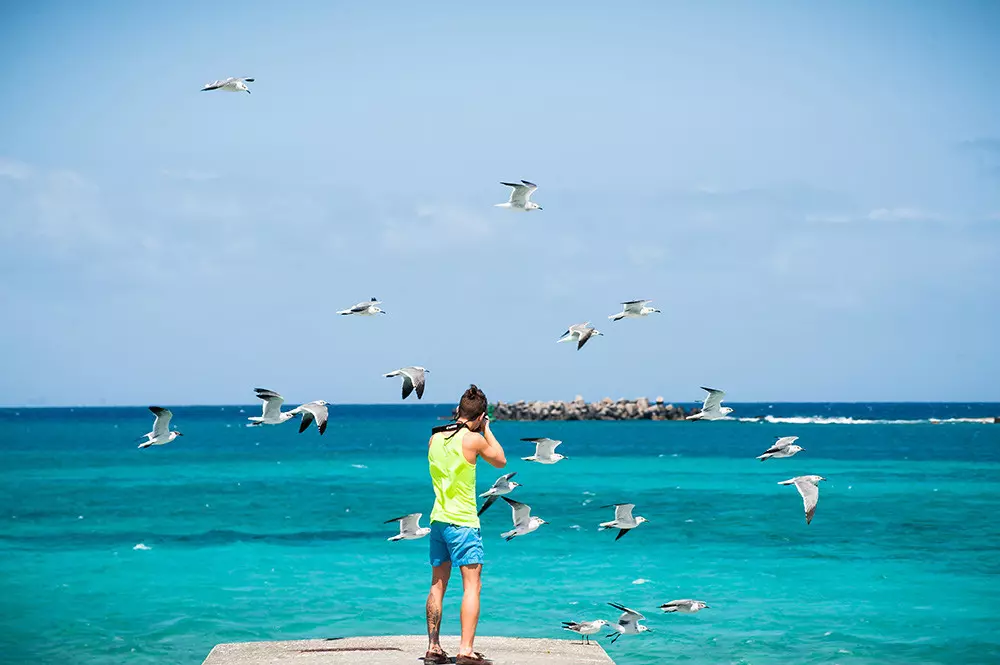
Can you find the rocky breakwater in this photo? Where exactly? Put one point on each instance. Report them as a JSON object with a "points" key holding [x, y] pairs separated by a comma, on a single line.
{"points": [[578, 409]]}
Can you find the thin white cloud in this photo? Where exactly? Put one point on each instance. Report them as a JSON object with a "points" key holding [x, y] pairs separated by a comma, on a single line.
{"points": [[434, 227], [904, 214], [10, 168]]}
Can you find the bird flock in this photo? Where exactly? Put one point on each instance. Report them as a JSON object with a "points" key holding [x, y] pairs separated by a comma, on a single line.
{"points": [[524, 523]]}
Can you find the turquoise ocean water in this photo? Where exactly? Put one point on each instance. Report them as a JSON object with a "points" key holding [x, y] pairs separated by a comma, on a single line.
{"points": [[263, 534]]}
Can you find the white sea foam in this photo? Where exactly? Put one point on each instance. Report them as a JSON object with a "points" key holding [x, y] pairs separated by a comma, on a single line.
{"points": [[847, 420], [142, 546], [359, 466], [641, 580]]}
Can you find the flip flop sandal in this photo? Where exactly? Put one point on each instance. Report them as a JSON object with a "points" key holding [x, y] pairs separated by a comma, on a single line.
{"points": [[475, 659]]}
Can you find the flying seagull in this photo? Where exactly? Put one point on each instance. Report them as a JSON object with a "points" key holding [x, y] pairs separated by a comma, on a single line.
{"points": [[312, 411], [272, 415], [409, 527], [503, 485], [784, 446], [524, 521], [712, 408], [623, 519], [161, 433], [579, 333], [585, 628], [628, 623], [519, 197], [544, 451], [413, 379], [231, 84], [634, 309], [808, 487], [370, 308], [684, 606]]}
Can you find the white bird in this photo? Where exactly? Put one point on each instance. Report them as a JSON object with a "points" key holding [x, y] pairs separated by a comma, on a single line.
{"points": [[585, 628], [370, 308], [628, 623], [783, 447], [413, 379], [231, 84], [684, 606], [161, 433], [409, 527], [524, 521], [519, 197], [808, 487], [272, 415], [312, 411], [633, 309], [579, 333], [545, 451], [623, 519], [712, 408], [503, 485]]}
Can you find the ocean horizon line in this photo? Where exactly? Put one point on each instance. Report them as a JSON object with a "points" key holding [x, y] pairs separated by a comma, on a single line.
{"points": [[174, 405]]}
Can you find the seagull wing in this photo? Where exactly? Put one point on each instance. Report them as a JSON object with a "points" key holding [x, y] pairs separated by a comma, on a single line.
{"points": [[407, 385], [623, 512], [416, 376], [783, 442], [161, 426], [628, 616], [505, 478], [521, 512], [713, 400], [410, 523], [272, 402], [214, 85], [531, 187], [635, 306], [519, 194], [486, 504], [810, 496], [584, 336], [313, 411], [545, 447], [248, 79]]}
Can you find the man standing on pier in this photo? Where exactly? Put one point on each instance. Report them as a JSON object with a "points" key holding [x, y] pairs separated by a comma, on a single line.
{"points": [[455, 537]]}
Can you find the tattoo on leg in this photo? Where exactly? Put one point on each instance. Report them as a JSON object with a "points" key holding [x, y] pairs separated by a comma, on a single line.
{"points": [[433, 621]]}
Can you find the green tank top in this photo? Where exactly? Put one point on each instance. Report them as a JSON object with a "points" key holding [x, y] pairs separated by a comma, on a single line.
{"points": [[454, 481]]}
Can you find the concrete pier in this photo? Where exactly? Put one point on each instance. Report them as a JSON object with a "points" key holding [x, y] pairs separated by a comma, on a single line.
{"points": [[406, 650]]}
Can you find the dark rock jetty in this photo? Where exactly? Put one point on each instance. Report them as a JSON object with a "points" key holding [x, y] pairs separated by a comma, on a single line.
{"points": [[578, 409]]}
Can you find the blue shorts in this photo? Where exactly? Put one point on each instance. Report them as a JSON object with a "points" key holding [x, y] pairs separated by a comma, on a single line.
{"points": [[462, 545]]}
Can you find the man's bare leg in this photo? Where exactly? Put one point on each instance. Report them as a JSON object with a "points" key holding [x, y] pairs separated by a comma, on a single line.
{"points": [[435, 599], [471, 586]]}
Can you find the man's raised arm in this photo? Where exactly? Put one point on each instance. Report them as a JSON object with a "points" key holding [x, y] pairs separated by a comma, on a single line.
{"points": [[491, 450]]}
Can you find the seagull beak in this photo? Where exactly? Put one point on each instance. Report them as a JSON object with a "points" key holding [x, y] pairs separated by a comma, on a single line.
{"points": [[180, 434], [248, 91]]}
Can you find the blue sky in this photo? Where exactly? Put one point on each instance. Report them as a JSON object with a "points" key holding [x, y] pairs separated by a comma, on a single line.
{"points": [[810, 192]]}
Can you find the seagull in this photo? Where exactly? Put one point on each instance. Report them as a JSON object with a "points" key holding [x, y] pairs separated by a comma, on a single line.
{"points": [[519, 197], [503, 485], [685, 606], [272, 415], [161, 433], [409, 527], [628, 623], [580, 333], [312, 411], [231, 84], [712, 408], [633, 309], [585, 628], [524, 521], [784, 446], [413, 379], [370, 308], [544, 451], [623, 519], [808, 487]]}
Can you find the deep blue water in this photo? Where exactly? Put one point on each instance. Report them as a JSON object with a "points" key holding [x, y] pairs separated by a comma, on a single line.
{"points": [[267, 534]]}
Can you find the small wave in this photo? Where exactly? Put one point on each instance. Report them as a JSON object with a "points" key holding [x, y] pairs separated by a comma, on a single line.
{"points": [[641, 580], [359, 466], [142, 546], [822, 420]]}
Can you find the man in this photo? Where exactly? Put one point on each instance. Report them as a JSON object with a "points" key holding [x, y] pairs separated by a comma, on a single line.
{"points": [[455, 537]]}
